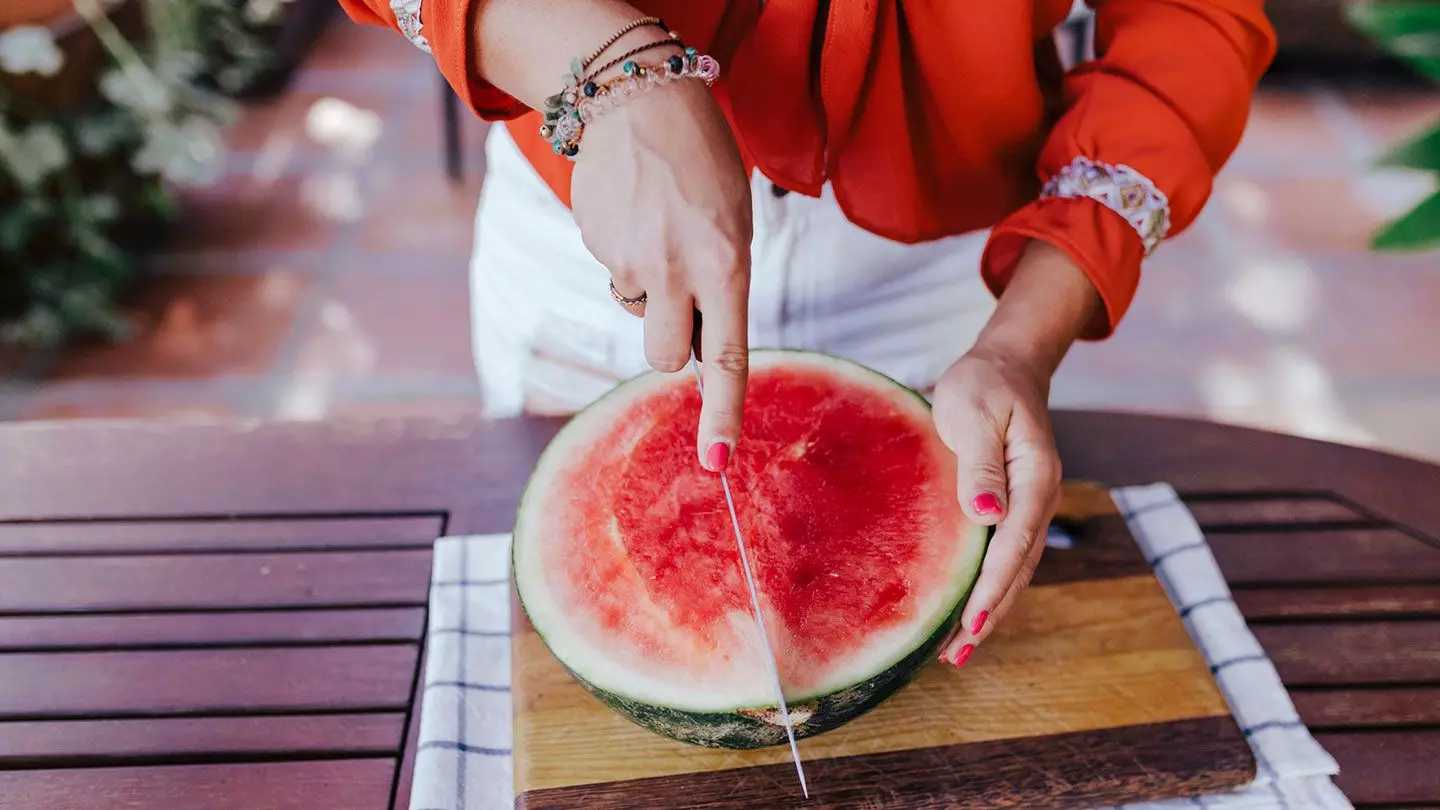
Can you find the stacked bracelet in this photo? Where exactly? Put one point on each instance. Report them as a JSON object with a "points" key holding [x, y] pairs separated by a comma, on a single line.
{"points": [[567, 112]]}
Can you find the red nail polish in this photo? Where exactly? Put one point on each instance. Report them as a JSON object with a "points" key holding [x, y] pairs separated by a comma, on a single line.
{"points": [[963, 655], [979, 623], [987, 504], [717, 456]]}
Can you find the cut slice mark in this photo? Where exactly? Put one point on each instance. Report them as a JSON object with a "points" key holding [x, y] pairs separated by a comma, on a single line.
{"points": [[759, 615]]}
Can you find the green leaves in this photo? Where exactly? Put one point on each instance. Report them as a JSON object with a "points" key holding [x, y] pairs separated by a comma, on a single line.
{"points": [[1419, 152], [1410, 31], [1417, 230]]}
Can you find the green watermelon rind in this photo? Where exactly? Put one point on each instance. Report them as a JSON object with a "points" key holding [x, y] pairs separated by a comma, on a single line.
{"points": [[740, 727], [737, 730]]}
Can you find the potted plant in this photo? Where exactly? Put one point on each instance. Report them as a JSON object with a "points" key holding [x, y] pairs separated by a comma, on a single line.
{"points": [[96, 128], [1410, 30], [254, 45]]}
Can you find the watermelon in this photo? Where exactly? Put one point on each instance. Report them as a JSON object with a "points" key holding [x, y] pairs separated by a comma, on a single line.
{"points": [[626, 564]]}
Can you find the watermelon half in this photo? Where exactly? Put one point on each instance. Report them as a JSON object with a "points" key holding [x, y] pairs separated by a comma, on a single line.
{"points": [[626, 563]]}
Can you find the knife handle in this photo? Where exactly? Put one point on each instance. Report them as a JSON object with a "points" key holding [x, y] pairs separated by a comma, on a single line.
{"points": [[695, 337]]}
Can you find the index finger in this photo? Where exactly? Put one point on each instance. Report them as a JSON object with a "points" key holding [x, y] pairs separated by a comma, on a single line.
{"points": [[725, 345]]}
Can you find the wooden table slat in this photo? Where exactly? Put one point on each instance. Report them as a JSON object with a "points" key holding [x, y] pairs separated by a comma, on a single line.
{"points": [[320, 785], [1389, 766], [159, 536], [53, 743], [1360, 652], [1261, 509], [220, 680], [1378, 601], [215, 580], [406, 777], [1325, 557], [269, 627], [1341, 708]]}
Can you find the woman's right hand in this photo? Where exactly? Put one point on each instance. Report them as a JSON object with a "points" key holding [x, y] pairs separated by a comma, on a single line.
{"points": [[662, 200]]}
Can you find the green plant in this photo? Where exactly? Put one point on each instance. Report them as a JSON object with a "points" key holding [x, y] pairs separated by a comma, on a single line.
{"points": [[82, 187], [1410, 30]]}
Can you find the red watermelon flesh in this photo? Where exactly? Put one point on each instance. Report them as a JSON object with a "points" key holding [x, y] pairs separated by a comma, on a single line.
{"points": [[626, 558]]}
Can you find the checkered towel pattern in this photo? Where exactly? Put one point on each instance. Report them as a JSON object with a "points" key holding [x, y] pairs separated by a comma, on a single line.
{"points": [[464, 761]]}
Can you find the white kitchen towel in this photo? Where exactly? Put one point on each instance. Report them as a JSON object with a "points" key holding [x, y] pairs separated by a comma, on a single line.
{"points": [[464, 760], [1293, 770]]}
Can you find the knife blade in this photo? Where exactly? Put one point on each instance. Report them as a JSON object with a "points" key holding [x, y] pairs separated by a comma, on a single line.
{"points": [[755, 609]]}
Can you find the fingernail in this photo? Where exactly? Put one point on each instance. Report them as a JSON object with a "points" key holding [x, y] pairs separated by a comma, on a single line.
{"points": [[986, 503], [717, 456], [979, 623], [963, 655]]}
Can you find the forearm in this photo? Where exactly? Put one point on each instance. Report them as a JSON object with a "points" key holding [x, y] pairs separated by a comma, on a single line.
{"points": [[524, 47], [1043, 310]]}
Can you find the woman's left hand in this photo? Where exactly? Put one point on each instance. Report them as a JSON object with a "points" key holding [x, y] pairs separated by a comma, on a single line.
{"points": [[993, 412], [992, 409]]}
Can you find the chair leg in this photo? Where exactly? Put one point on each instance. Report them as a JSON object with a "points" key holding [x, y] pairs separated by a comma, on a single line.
{"points": [[450, 104]]}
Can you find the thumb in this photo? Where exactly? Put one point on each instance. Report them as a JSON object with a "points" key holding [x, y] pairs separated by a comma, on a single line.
{"points": [[978, 441]]}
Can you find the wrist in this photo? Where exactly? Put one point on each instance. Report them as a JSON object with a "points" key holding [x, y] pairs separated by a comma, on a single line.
{"points": [[525, 46], [1043, 311]]}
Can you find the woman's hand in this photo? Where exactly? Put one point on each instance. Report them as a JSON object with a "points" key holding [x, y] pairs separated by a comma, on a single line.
{"points": [[659, 192], [662, 200], [992, 410]]}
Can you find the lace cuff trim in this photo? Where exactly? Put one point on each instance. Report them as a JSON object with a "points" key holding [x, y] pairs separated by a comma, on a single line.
{"points": [[1119, 188], [407, 16]]}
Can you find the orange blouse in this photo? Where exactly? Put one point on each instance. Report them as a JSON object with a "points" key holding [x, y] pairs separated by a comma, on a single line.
{"points": [[936, 118]]}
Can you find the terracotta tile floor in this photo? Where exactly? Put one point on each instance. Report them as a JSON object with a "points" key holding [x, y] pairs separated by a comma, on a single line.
{"points": [[326, 275]]}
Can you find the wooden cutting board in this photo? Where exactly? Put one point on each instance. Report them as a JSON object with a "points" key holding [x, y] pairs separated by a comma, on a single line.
{"points": [[1091, 693]]}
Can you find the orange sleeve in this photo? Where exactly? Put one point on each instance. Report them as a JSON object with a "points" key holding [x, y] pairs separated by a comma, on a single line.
{"points": [[1167, 95], [448, 29]]}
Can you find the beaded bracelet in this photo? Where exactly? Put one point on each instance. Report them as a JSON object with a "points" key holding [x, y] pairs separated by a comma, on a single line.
{"points": [[567, 112], [615, 37], [674, 39]]}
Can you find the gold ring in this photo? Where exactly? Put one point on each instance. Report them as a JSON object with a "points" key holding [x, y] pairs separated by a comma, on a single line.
{"points": [[631, 305]]}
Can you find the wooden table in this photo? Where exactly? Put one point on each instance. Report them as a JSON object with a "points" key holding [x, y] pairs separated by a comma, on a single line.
{"points": [[231, 616]]}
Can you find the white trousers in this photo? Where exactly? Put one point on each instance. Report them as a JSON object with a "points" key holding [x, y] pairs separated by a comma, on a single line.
{"points": [[548, 338]]}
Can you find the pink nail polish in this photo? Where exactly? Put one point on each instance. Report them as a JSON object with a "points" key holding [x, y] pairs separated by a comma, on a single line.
{"points": [[979, 623], [963, 655], [717, 456], [986, 503]]}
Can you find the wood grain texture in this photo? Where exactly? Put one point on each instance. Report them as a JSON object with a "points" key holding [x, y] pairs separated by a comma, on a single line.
{"points": [[1094, 645], [189, 681], [1376, 602], [1328, 556], [1081, 656], [218, 534], [1217, 514], [32, 585], [108, 742], [1362, 652], [1074, 770], [209, 629], [1389, 766], [324, 785], [1368, 708]]}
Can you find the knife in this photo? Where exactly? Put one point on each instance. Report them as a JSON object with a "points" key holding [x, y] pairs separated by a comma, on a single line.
{"points": [[755, 609]]}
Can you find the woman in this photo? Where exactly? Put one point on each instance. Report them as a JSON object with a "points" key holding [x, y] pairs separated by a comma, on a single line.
{"points": [[833, 190]]}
